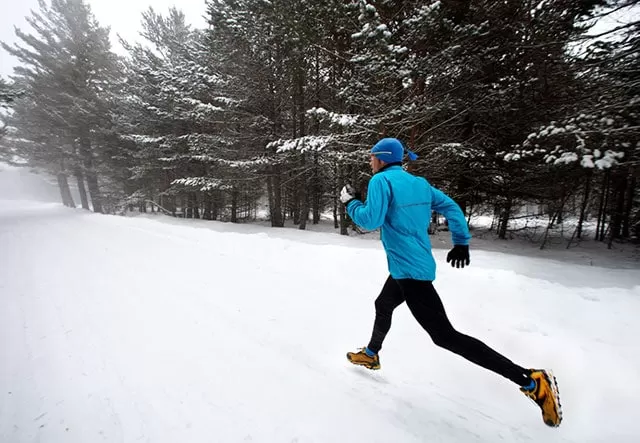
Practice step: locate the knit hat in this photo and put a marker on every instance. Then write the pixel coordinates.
(390, 150)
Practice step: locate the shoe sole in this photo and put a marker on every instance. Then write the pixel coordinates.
(551, 379)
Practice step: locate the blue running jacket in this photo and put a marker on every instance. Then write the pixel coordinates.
(400, 203)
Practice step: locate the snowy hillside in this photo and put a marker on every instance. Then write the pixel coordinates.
(155, 330)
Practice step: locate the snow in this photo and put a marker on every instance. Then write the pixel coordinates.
(587, 161)
(512, 157)
(157, 329)
(566, 158)
(397, 49)
(334, 118)
(200, 106)
(605, 162)
(203, 184)
(538, 8)
(142, 139)
(302, 144)
(23, 184)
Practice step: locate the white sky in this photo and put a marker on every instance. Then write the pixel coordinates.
(123, 16)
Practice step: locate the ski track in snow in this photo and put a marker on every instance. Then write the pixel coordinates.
(134, 330)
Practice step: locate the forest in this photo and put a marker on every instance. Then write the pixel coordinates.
(520, 110)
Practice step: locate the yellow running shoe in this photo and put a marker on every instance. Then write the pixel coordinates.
(546, 395)
(361, 358)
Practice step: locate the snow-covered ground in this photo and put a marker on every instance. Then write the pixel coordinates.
(128, 329)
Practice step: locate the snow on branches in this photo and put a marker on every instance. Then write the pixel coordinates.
(202, 184)
(597, 140)
(344, 120)
(301, 144)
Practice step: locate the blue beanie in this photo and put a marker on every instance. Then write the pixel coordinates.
(390, 150)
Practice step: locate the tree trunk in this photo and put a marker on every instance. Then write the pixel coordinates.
(304, 195)
(504, 220)
(274, 183)
(601, 206)
(628, 207)
(186, 207)
(191, 204)
(171, 205)
(303, 184)
(215, 208)
(583, 207)
(304, 211)
(317, 189)
(234, 204)
(604, 201)
(295, 202)
(344, 223)
(65, 192)
(559, 214)
(549, 226)
(208, 207)
(336, 191)
(81, 189)
(270, 198)
(463, 190)
(92, 177)
(619, 194)
(194, 204)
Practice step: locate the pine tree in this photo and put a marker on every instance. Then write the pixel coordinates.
(463, 82)
(278, 56)
(65, 68)
(177, 120)
(595, 141)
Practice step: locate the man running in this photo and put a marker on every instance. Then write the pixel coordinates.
(400, 204)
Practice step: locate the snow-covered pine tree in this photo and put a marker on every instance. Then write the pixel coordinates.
(461, 82)
(595, 142)
(65, 67)
(175, 116)
(284, 64)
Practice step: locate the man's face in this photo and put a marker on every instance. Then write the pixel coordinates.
(376, 163)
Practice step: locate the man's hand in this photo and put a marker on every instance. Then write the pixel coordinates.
(347, 194)
(459, 256)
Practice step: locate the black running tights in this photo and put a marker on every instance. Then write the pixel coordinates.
(425, 305)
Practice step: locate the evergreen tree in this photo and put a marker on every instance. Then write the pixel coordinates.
(65, 68)
(176, 117)
(595, 140)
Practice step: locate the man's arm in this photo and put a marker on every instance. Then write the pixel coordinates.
(371, 215)
(442, 203)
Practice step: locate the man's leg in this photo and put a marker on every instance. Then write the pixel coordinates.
(390, 298)
(426, 306)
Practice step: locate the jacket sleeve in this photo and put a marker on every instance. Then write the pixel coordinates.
(442, 203)
(370, 215)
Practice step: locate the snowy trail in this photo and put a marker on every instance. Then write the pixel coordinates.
(129, 329)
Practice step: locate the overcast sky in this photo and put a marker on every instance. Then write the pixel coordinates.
(123, 16)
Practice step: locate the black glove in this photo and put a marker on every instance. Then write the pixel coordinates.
(459, 256)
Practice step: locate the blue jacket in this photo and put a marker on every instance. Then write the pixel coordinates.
(401, 204)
